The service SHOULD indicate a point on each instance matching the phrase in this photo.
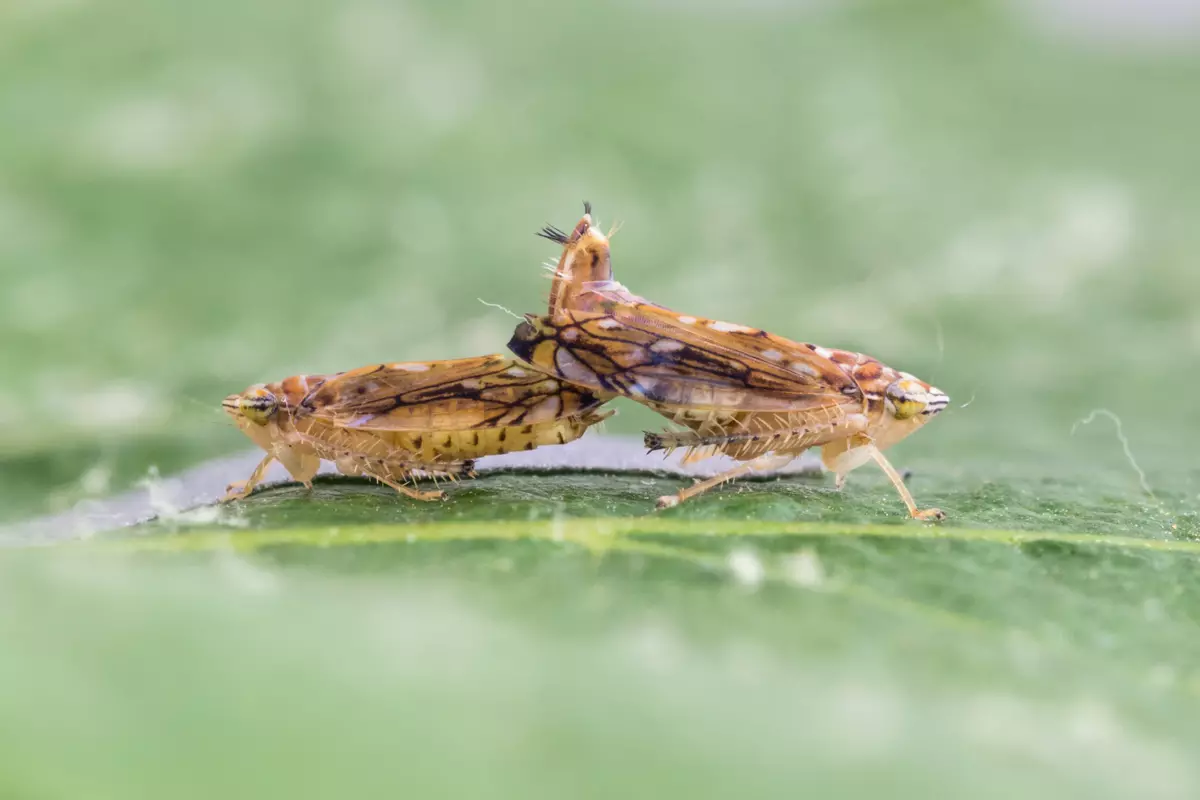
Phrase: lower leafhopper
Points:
(739, 391)
(398, 422)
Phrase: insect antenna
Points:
(587, 207)
(214, 413)
(508, 311)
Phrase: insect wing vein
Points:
(649, 352)
(460, 394)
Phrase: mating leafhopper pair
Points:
(396, 423)
(742, 392)
(745, 393)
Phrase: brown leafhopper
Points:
(397, 422)
(739, 391)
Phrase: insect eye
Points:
(525, 332)
(258, 406)
(908, 399)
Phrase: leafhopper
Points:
(738, 391)
(398, 422)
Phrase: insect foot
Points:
(235, 491)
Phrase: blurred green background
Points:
(996, 197)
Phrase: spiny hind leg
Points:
(760, 464)
(378, 469)
(453, 471)
(927, 514)
(415, 494)
(240, 489)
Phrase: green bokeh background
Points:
(195, 197)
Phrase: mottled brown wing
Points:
(292, 391)
(446, 395)
(653, 354)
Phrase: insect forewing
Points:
(653, 353)
(444, 395)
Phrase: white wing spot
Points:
(415, 366)
(610, 324)
(570, 334)
(516, 372)
(773, 355)
(823, 352)
(807, 369)
(729, 327)
(571, 368)
(687, 320)
(666, 346)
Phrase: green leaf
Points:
(350, 638)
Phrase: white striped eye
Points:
(908, 398)
(258, 406)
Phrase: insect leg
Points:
(240, 489)
(762, 463)
(300, 462)
(928, 514)
(415, 494)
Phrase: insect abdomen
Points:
(514, 438)
(438, 447)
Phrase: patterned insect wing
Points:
(652, 354)
(447, 395)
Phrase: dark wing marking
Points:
(445, 395)
(652, 354)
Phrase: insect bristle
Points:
(553, 234)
